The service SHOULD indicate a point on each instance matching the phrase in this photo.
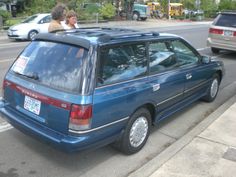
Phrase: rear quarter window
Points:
(122, 63)
(55, 65)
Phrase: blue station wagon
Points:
(91, 87)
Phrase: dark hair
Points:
(58, 11)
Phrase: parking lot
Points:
(24, 156)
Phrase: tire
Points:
(215, 50)
(136, 132)
(213, 89)
(135, 16)
(143, 18)
(32, 34)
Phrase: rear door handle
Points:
(155, 87)
(188, 76)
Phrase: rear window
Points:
(51, 64)
(227, 20)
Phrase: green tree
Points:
(164, 6)
(227, 5)
(107, 11)
(188, 4)
(36, 6)
(5, 15)
(208, 5)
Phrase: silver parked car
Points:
(222, 33)
(33, 25)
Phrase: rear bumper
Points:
(65, 142)
(220, 45)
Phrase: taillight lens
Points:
(215, 31)
(235, 33)
(80, 117)
(4, 84)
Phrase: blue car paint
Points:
(112, 104)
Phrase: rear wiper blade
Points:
(31, 76)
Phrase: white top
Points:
(65, 26)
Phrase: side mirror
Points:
(206, 59)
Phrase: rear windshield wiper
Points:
(31, 76)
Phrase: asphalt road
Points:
(22, 156)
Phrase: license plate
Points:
(32, 105)
(228, 33)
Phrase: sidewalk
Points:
(209, 150)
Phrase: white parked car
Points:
(33, 25)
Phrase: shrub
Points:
(13, 21)
(108, 11)
(5, 15)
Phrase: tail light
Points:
(80, 117)
(215, 31)
(235, 33)
(4, 85)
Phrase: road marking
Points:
(6, 60)
(5, 126)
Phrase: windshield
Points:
(227, 20)
(52, 64)
(30, 19)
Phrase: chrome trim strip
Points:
(181, 93)
(122, 82)
(98, 128)
(169, 99)
(195, 87)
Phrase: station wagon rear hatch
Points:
(46, 84)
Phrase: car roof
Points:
(102, 36)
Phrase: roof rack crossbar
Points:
(130, 35)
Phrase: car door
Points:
(121, 83)
(165, 79)
(196, 74)
(44, 23)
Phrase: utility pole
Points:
(169, 17)
(198, 3)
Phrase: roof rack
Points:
(107, 34)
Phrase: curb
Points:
(153, 165)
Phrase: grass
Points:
(13, 21)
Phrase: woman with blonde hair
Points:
(71, 20)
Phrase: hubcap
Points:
(138, 132)
(32, 34)
(214, 88)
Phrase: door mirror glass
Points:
(206, 59)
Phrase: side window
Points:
(161, 57)
(46, 19)
(184, 54)
(122, 63)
